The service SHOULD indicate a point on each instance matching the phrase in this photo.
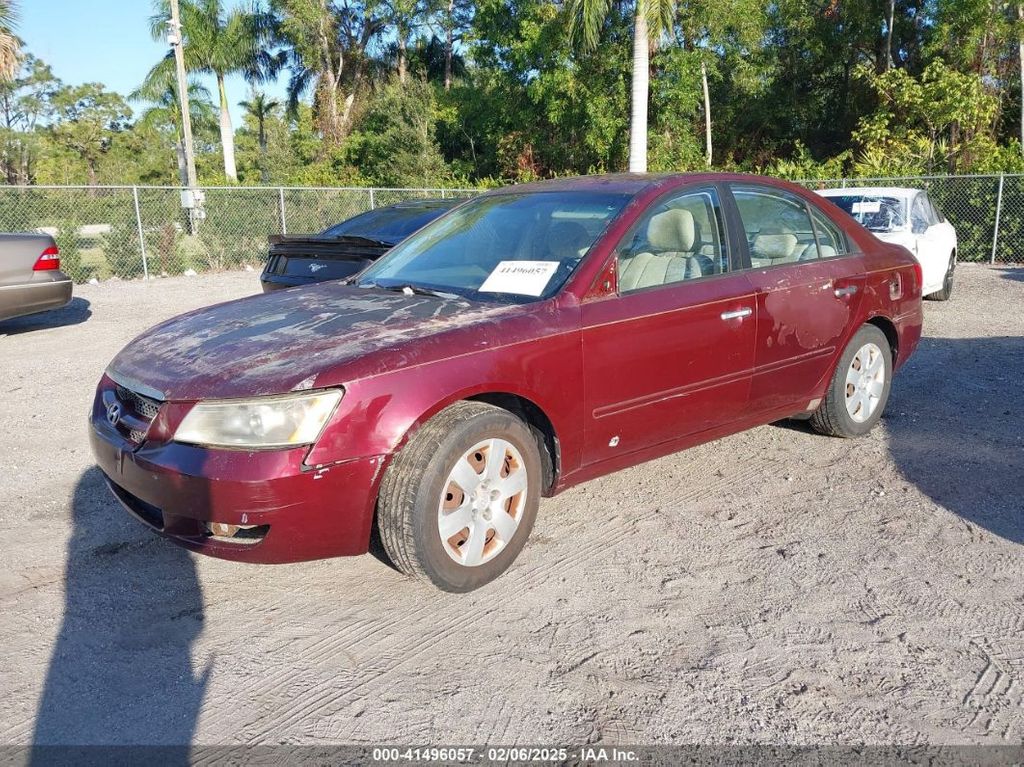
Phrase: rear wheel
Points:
(859, 389)
(458, 502)
(947, 281)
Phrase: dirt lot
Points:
(774, 586)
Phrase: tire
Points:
(840, 415)
(461, 441)
(947, 282)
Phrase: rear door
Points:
(808, 287)
(670, 354)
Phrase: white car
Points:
(906, 217)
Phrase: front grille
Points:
(142, 408)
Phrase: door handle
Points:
(849, 290)
(736, 314)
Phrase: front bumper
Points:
(180, 490)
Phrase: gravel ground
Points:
(774, 586)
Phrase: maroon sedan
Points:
(531, 339)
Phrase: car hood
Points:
(285, 341)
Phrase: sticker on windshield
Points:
(867, 206)
(524, 278)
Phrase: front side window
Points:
(777, 226)
(681, 238)
(505, 247)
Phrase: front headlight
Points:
(288, 420)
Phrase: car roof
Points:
(878, 191)
(631, 183)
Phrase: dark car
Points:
(534, 338)
(348, 247)
(30, 277)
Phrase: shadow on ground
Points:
(122, 670)
(74, 313)
(1013, 273)
(956, 428)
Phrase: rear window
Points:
(391, 224)
(876, 213)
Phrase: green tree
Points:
(25, 105)
(326, 52)
(10, 46)
(218, 41)
(395, 144)
(164, 114)
(86, 120)
(260, 109)
(651, 19)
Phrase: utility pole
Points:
(191, 198)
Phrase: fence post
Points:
(999, 210)
(442, 194)
(372, 205)
(142, 236)
(843, 185)
(284, 221)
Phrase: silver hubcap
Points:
(865, 381)
(482, 502)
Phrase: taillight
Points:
(49, 259)
(918, 275)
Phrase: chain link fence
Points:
(986, 211)
(130, 232)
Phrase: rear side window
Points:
(831, 240)
(777, 226)
(920, 214)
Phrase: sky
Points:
(108, 42)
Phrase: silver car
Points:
(30, 277)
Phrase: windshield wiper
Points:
(411, 290)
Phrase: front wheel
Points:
(859, 389)
(458, 502)
(947, 282)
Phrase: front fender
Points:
(379, 414)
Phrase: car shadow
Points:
(74, 313)
(121, 672)
(1013, 273)
(955, 428)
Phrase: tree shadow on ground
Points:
(74, 313)
(121, 671)
(956, 428)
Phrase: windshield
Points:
(391, 224)
(875, 213)
(510, 247)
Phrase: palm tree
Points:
(220, 42)
(10, 46)
(652, 18)
(162, 93)
(259, 108)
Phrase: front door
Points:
(671, 353)
(808, 288)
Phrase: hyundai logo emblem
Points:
(113, 414)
